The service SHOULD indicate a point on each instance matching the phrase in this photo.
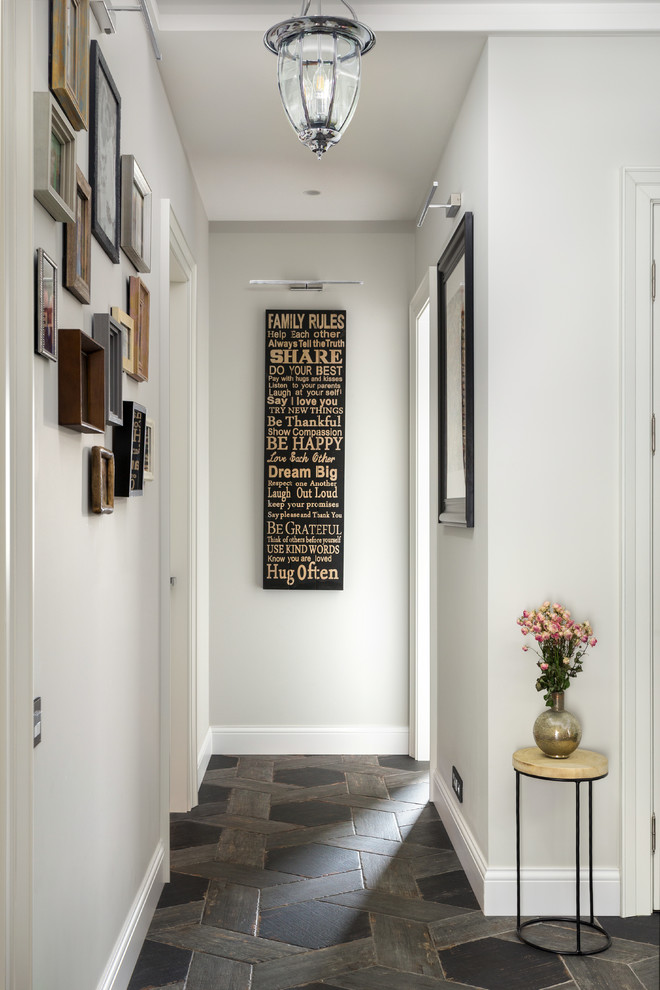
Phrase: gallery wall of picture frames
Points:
(112, 204)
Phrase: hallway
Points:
(331, 871)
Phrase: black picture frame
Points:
(108, 332)
(456, 377)
(104, 158)
(128, 447)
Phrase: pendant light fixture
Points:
(318, 72)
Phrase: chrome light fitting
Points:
(318, 72)
(302, 285)
(104, 12)
(452, 207)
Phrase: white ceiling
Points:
(248, 162)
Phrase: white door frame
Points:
(181, 788)
(420, 517)
(16, 495)
(640, 188)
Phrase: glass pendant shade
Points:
(318, 73)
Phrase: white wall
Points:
(311, 658)
(545, 185)
(462, 700)
(558, 142)
(97, 596)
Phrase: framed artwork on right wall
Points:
(456, 377)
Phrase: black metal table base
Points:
(578, 922)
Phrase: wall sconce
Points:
(452, 207)
(104, 10)
(302, 284)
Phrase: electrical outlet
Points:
(457, 784)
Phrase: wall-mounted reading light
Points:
(104, 12)
(452, 207)
(301, 284)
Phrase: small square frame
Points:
(102, 480)
(149, 450)
(69, 58)
(136, 206)
(54, 158)
(127, 325)
(78, 243)
(104, 137)
(46, 306)
(138, 309)
(108, 332)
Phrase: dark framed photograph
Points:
(46, 308)
(54, 158)
(456, 377)
(104, 136)
(128, 446)
(138, 310)
(108, 332)
(102, 480)
(78, 243)
(135, 214)
(69, 58)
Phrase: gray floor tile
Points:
(379, 978)
(253, 823)
(210, 973)
(315, 965)
(307, 890)
(399, 907)
(367, 784)
(243, 848)
(648, 972)
(379, 824)
(389, 876)
(229, 945)
(596, 973)
(467, 927)
(298, 835)
(405, 946)
(196, 854)
(321, 793)
(255, 768)
(176, 916)
(232, 907)
(249, 804)
(235, 873)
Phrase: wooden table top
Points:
(582, 764)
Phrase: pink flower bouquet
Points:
(562, 643)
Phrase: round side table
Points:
(580, 766)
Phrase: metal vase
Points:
(557, 733)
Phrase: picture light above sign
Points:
(301, 284)
(452, 207)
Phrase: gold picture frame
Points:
(78, 243)
(102, 480)
(138, 309)
(127, 339)
(69, 59)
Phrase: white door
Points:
(183, 527)
(420, 530)
(655, 345)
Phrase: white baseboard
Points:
(543, 891)
(127, 947)
(204, 756)
(294, 740)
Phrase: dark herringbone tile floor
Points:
(335, 872)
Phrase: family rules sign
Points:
(304, 449)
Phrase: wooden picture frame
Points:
(127, 339)
(78, 243)
(45, 340)
(104, 138)
(128, 446)
(138, 309)
(80, 382)
(149, 450)
(108, 332)
(102, 480)
(456, 377)
(69, 58)
(54, 158)
(136, 207)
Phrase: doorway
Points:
(640, 525)
(420, 319)
(182, 523)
